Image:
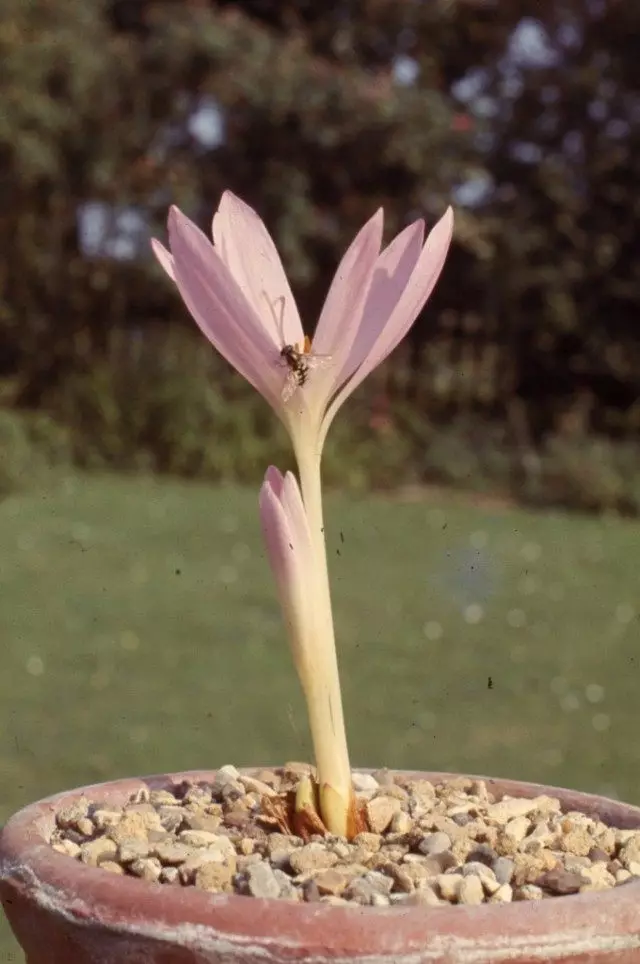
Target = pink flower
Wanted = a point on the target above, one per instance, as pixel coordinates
(237, 291)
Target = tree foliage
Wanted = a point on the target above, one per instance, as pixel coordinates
(534, 319)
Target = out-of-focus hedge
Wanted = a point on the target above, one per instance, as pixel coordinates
(531, 339)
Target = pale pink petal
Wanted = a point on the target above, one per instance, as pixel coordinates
(394, 268)
(407, 308)
(221, 310)
(287, 542)
(164, 257)
(244, 244)
(340, 317)
(275, 479)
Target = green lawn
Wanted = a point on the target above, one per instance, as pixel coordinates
(139, 633)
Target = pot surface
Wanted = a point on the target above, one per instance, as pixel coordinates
(63, 912)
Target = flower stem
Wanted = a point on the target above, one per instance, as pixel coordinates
(322, 686)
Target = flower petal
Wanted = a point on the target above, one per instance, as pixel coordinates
(394, 268)
(287, 539)
(221, 310)
(164, 257)
(246, 247)
(340, 316)
(409, 301)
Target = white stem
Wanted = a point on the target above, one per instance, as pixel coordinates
(322, 685)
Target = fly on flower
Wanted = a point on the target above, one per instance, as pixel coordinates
(299, 361)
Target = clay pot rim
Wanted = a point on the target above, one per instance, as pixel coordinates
(64, 885)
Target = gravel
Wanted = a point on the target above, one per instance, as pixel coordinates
(425, 844)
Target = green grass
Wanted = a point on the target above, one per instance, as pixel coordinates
(139, 633)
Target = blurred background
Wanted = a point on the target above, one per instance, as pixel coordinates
(485, 482)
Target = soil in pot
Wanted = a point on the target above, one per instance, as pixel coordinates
(421, 843)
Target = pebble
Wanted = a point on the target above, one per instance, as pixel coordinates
(561, 881)
(424, 844)
(214, 877)
(381, 811)
(503, 868)
(313, 856)
(331, 881)
(434, 843)
(449, 886)
(364, 783)
(95, 851)
(148, 868)
(262, 881)
(471, 890)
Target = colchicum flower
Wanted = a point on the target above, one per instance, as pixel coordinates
(237, 291)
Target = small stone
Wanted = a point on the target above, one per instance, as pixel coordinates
(262, 882)
(426, 897)
(204, 856)
(364, 783)
(434, 843)
(203, 838)
(379, 900)
(112, 867)
(133, 826)
(471, 891)
(598, 855)
(130, 850)
(484, 874)
(147, 868)
(170, 852)
(341, 849)
(94, 852)
(85, 826)
(575, 864)
(401, 823)
(288, 890)
(507, 809)
(598, 878)
(384, 778)
(630, 851)
(331, 881)
(380, 812)
(214, 877)
(171, 817)
(200, 820)
(528, 867)
(227, 773)
(578, 841)
(67, 847)
(253, 785)
(170, 875)
(423, 793)
(622, 876)
(402, 880)
(313, 856)
(517, 828)
(246, 846)
(368, 841)
(528, 892)
(103, 818)
(69, 816)
(503, 895)
(449, 886)
(363, 890)
(237, 818)
(561, 881)
(159, 798)
(606, 839)
(503, 868)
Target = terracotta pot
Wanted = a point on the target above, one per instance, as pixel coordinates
(63, 912)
